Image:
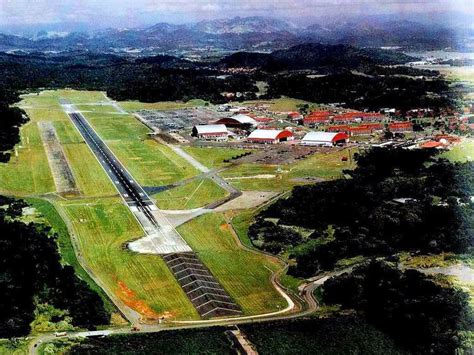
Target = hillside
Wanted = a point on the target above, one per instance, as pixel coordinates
(313, 56)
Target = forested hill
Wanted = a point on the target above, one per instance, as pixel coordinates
(314, 56)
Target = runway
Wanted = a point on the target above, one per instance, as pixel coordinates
(161, 237)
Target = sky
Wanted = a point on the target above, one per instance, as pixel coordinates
(137, 13)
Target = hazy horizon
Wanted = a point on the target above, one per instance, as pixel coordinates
(93, 14)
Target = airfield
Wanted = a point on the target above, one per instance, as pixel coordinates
(193, 198)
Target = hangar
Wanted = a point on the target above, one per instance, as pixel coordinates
(211, 132)
(269, 136)
(237, 121)
(327, 139)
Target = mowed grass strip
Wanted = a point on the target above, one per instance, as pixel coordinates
(27, 173)
(91, 179)
(213, 157)
(244, 274)
(132, 106)
(197, 193)
(143, 282)
(67, 132)
(117, 127)
(151, 163)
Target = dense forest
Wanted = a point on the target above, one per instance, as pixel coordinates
(365, 92)
(358, 77)
(416, 311)
(397, 200)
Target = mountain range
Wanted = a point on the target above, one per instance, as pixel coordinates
(242, 33)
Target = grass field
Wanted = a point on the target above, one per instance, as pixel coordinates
(27, 173)
(283, 104)
(284, 177)
(197, 193)
(131, 106)
(242, 273)
(213, 157)
(461, 152)
(143, 282)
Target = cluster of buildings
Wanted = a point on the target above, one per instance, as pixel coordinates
(335, 128)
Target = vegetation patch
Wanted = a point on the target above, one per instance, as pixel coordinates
(197, 193)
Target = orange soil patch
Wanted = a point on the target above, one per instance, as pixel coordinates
(224, 227)
(129, 298)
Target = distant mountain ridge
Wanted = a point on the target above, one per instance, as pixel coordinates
(242, 34)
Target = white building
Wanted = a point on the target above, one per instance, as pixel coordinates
(269, 136)
(326, 139)
(216, 132)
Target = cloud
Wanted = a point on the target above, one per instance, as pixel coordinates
(126, 12)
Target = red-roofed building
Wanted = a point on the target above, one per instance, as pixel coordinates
(431, 145)
(317, 117)
(263, 119)
(400, 127)
(348, 117)
(372, 117)
(368, 128)
(269, 136)
(295, 116)
(339, 128)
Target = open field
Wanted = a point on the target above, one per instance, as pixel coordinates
(197, 193)
(284, 104)
(242, 273)
(264, 177)
(90, 177)
(461, 152)
(131, 106)
(213, 157)
(27, 173)
(143, 282)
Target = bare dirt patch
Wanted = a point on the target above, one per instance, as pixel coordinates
(60, 169)
(129, 298)
(248, 199)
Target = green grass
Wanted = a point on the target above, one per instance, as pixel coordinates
(151, 163)
(461, 152)
(163, 105)
(91, 179)
(284, 104)
(197, 193)
(80, 97)
(51, 217)
(144, 282)
(242, 273)
(117, 127)
(213, 157)
(29, 172)
(323, 165)
(66, 132)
